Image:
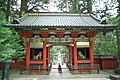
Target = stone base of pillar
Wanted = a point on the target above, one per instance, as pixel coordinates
(44, 73)
(74, 72)
(41, 72)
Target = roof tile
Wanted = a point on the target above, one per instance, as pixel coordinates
(59, 20)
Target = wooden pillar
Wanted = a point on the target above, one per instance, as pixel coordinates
(91, 35)
(91, 53)
(44, 35)
(75, 35)
(27, 35)
(75, 56)
(44, 55)
(28, 55)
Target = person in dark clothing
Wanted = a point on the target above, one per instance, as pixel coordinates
(59, 68)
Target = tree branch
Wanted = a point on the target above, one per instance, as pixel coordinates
(31, 9)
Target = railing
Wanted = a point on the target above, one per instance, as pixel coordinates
(22, 69)
(39, 68)
(89, 68)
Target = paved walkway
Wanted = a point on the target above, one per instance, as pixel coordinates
(65, 75)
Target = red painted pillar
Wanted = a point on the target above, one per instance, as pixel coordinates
(44, 55)
(28, 56)
(91, 35)
(27, 35)
(75, 35)
(44, 35)
(75, 56)
(91, 53)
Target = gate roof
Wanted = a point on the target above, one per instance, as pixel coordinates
(52, 21)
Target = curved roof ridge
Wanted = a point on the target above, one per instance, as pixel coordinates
(34, 20)
(23, 17)
(57, 14)
(84, 20)
(95, 17)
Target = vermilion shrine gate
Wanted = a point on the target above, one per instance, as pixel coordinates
(41, 31)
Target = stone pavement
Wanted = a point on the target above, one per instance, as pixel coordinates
(65, 75)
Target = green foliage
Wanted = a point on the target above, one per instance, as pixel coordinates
(107, 10)
(106, 43)
(8, 8)
(116, 21)
(69, 6)
(45, 1)
(62, 4)
(10, 44)
(56, 49)
(33, 5)
(89, 6)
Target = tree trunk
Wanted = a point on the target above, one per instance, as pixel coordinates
(119, 8)
(74, 5)
(8, 10)
(89, 4)
(23, 8)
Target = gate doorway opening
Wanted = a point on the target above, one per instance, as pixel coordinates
(59, 54)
